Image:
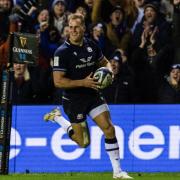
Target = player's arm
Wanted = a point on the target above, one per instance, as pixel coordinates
(61, 81)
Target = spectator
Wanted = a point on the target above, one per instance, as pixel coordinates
(117, 31)
(102, 10)
(7, 24)
(116, 23)
(167, 9)
(152, 18)
(131, 12)
(176, 31)
(140, 6)
(83, 10)
(22, 89)
(5, 11)
(144, 62)
(71, 5)
(58, 14)
(41, 3)
(150, 65)
(169, 90)
(65, 33)
(43, 16)
(49, 38)
(99, 32)
(89, 4)
(30, 85)
(26, 15)
(122, 89)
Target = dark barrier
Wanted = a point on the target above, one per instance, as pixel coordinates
(5, 121)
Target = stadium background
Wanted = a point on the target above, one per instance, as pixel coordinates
(149, 139)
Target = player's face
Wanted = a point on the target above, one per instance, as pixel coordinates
(76, 31)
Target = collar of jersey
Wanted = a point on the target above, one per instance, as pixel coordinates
(69, 44)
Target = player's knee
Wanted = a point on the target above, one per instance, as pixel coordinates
(109, 131)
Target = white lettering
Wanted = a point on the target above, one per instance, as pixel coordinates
(19, 50)
(79, 66)
(174, 142)
(57, 142)
(90, 63)
(135, 141)
(145, 143)
(15, 141)
(2, 123)
(4, 93)
(96, 136)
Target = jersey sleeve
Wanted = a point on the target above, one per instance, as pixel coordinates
(60, 61)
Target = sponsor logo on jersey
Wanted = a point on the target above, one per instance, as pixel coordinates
(84, 60)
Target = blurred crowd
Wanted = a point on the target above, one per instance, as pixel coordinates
(141, 38)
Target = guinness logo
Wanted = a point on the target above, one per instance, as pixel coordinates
(23, 41)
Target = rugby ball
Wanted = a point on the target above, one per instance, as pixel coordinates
(104, 76)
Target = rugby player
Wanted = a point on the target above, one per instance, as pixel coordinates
(74, 63)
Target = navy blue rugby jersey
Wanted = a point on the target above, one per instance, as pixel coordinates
(77, 62)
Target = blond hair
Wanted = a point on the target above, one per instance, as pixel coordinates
(75, 16)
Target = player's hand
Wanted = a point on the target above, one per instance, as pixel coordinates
(90, 82)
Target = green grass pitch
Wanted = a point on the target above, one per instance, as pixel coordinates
(89, 176)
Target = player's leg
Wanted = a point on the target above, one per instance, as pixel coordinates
(77, 128)
(101, 116)
(103, 121)
(55, 116)
(81, 134)
(75, 109)
(78, 132)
